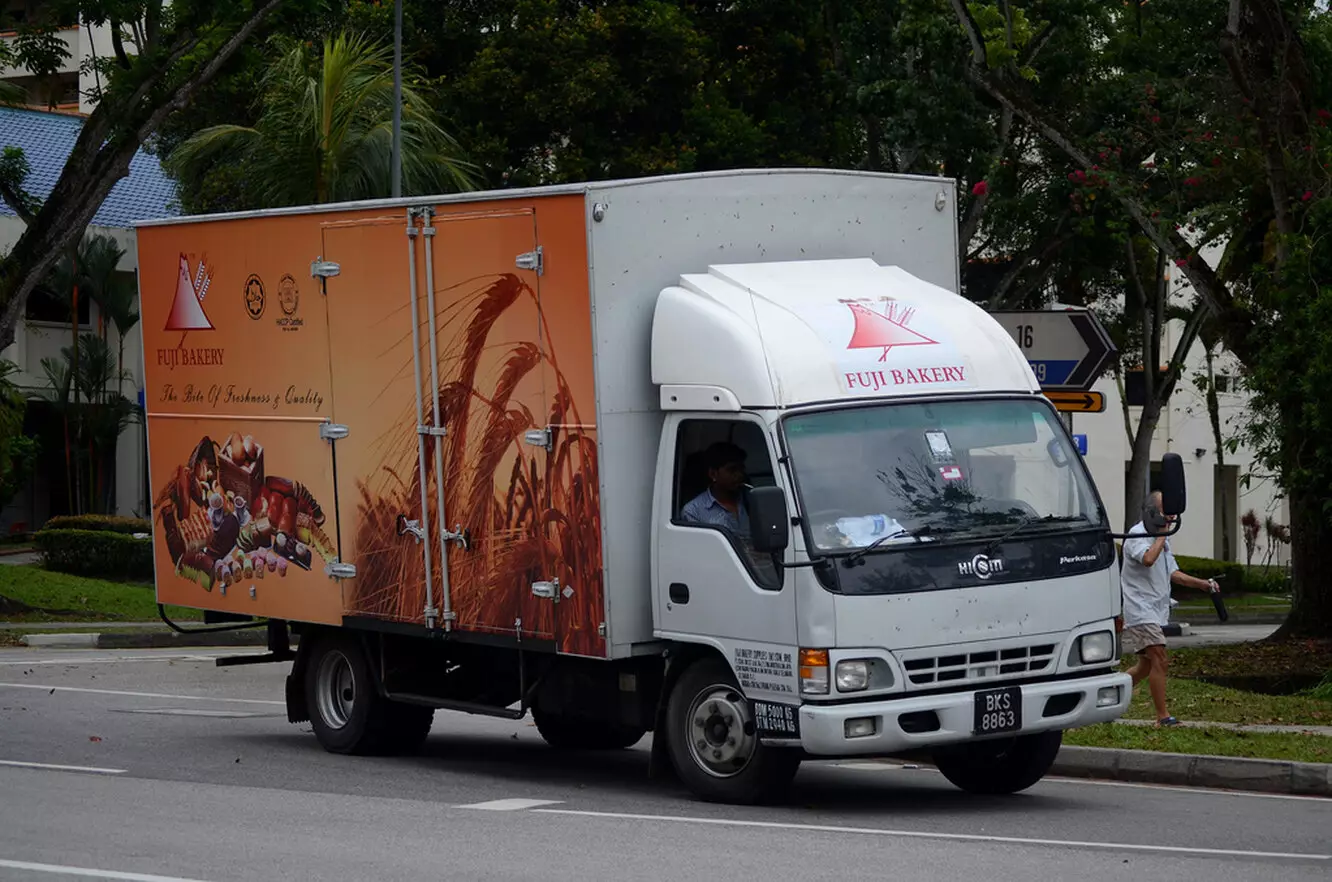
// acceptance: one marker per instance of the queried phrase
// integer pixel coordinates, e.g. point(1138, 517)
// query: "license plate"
point(998, 711)
point(776, 720)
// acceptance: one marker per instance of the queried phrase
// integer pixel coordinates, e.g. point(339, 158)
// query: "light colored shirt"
point(704, 509)
point(1146, 589)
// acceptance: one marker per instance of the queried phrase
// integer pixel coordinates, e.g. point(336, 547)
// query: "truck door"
point(712, 584)
point(472, 473)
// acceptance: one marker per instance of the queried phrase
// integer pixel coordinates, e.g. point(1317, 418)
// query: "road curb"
point(1186, 770)
point(146, 640)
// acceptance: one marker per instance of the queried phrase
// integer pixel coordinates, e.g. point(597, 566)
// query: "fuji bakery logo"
point(884, 330)
point(187, 314)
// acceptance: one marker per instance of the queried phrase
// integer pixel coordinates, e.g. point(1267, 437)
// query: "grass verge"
point(57, 597)
point(1206, 742)
point(1196, 700)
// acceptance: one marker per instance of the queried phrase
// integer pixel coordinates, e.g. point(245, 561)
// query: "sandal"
point(1167, 722)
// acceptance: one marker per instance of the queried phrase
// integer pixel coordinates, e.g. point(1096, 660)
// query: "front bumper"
point(823, 732)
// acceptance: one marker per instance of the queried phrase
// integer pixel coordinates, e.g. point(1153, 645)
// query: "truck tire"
point(711, 739)
point(575, 733)
point(1000, 767)
point(347, 713)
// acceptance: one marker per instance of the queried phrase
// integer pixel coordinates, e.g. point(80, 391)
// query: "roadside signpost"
point(1067, 349)
point(1077, 402)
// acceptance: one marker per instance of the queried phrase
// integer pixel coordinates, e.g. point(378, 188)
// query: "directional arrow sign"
point(1067, 348)
point(1077, 402)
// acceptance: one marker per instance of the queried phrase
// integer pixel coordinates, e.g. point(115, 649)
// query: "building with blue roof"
point(47, 139)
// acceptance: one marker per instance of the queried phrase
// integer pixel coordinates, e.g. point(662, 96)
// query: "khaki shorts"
point(1139, 637)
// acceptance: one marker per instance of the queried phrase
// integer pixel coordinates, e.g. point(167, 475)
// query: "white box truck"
point(723, 457)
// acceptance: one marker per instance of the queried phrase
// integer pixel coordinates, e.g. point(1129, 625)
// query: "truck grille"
point(988, 665)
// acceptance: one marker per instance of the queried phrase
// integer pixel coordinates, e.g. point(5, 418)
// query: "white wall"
point(34, 341)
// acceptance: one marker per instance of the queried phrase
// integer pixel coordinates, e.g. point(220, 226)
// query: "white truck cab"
point(921, 560)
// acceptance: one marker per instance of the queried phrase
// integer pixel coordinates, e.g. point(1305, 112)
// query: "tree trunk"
point(110, 137)
point(1310, 561)
point(1140, 465)
point(1214, 417)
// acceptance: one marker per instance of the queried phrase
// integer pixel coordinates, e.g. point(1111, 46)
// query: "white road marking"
point(1196, 791)
point(49, 687)
point(510, 805)
point(870, 767)
point(87, 871)
point(112, 659)
point(1053, 779)
point(58, 768)
point(956, 837)
point(192, 712)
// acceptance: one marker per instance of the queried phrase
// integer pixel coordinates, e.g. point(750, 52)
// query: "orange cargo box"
point(296, 473)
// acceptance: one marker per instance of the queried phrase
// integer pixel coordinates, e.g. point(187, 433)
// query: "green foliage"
point(96, 553)
point(18, 452)
point(99, 523)
point(325, 132)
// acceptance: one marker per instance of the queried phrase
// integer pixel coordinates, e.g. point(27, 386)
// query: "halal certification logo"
point(288, 295)
point(254, 296)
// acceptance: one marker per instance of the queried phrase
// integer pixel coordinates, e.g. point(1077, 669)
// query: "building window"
point(45, 306)
point(1135, 387)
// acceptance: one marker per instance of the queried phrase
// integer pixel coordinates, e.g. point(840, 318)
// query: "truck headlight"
point(1097, 647)
point(852, 675)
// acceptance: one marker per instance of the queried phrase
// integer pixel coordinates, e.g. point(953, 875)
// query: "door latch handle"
point(406, 526)
point(679, 592)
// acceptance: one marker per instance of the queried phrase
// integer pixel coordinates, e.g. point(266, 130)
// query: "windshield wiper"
point(1021, 525)
point(856, 558)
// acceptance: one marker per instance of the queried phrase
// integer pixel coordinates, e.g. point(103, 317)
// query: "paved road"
point(183, 770)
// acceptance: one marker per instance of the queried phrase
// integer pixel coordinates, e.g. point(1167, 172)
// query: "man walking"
point(1149, 570)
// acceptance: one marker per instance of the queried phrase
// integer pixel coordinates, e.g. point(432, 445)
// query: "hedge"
point(99, 523)
point(96, 553)
point(1236, 578)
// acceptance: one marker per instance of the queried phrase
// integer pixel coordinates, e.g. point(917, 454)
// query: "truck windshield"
point(897, 475)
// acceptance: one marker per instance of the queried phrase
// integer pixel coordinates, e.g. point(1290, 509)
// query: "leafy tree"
point(179, 46)
point(325, 132)
point(18, 452)
point(1214, 115)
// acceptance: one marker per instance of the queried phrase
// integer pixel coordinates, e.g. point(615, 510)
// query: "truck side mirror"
point(769, 523)
point(1173, 495)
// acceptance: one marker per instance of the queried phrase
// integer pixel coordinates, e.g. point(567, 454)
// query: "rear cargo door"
point(492, 399)
point(459, 496)
point(367, 294)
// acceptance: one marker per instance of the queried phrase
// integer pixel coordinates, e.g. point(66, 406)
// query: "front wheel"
point(1003, 766)
point(713, 742)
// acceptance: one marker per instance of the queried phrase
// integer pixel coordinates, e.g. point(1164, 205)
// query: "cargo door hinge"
point(335, 569)
point(538, 438)
point(333, 431)
point(532, 260)
point(324, 269)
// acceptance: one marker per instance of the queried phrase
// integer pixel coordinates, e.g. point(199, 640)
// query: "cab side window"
point(716, 463)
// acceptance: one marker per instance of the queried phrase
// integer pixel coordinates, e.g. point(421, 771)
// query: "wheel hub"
point(721, 731)
point(335, 690)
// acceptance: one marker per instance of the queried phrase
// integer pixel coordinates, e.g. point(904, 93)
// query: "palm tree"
point(324, 132)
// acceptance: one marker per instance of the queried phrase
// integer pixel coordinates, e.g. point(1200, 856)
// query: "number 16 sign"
point(1066, 348)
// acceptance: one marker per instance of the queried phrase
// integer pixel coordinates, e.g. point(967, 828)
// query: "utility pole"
point(397, 99)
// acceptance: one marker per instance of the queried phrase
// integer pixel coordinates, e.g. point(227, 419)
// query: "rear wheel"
point(713, 742)
point(346, 710)
point(1002, 766)
point(577, 733)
